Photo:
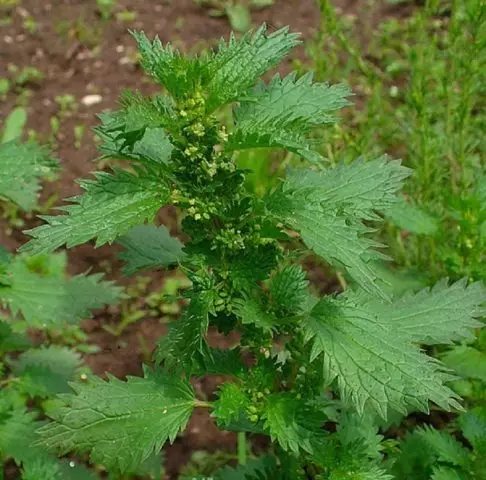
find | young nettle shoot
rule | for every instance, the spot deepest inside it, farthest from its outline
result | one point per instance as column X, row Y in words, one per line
column 302, row 360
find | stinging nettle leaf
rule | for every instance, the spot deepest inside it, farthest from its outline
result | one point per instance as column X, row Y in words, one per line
column 412, row 218
column 441, row 314
column 17, row 431
column 185, row 343
column 283, row 113
column 250, row 310
column 112, row 204
column 148, row 246
column 317, row 205
column 445, row 446
column 52, row 299
column 467, row 362
column 22, row 166
column 136, row 132
column 179, row 75
column 46, row 371
column 238, row 64
column 231, row 404
column 294, row 425
column 289, row 288
column 375, row 365
column 359, row 187
column 121, row 423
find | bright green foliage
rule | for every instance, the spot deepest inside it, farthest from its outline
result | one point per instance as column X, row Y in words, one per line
column 441, row 314
column 288, row 289
column 121, row 422
column 281, row 114
column 18, row 429
column 46, row 371
column 239, row 64
column 134, row 132
column 225, row 75
column 41, row 469
column 289, row 422
column 428, row 453
column 413, row 219
column 296, row 351
column 231, row 405
column 374, row 364
column 320, row 206
column 11, row 341
column 148, row 246
column 185, row 342
column 14, row 125
column 112, row 204
column 468, row 362
column 22, row 166
column 45, row 297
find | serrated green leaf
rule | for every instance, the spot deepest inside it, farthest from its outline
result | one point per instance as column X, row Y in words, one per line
column 222, row 362
column 340, row 242
column 136, row 132
column 446, row 447
column 112, row 204
column 375, row 365
column 253, row 267
column 22, row 166
column 121, row 423
column 148, row 246
column 353, row 429
column 231, row 404
column 289, row 288
column 47, row 300
column 318, row 205
column 11, row 341
column 412, row 218
column 441, row 314
column 250, row 310
column 185, row 342
column 17, row 436
column 238, row 64
column 359, row 188
column 468, row 362
column 415, row 459
column 292, row 423
column 473, row 426
column 46, row 371
column 178, row 74
column 282, row 113
column 262, row 468
column 41, row 468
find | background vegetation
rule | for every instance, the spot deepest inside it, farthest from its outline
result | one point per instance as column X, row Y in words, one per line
column 417, row 71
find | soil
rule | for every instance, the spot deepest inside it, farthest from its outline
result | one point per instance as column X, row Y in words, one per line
column 81, row 55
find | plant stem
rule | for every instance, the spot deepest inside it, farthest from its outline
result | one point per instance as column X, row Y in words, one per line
column 242, row 448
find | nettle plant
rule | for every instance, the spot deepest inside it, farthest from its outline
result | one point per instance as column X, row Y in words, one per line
column 36, row 294
column 302, row 360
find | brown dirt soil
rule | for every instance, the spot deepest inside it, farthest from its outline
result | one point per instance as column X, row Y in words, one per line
column 96, row 58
